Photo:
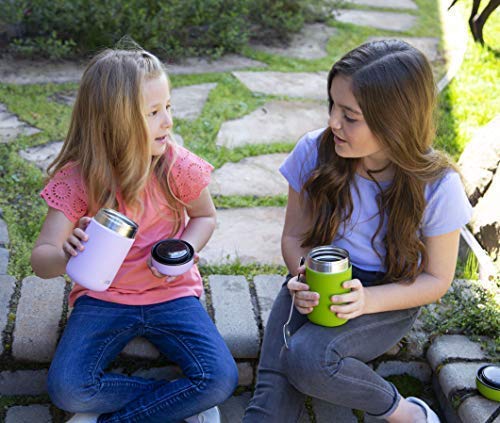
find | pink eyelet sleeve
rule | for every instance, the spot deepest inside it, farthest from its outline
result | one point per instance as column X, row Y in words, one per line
column 190, row 173
column 66, row 192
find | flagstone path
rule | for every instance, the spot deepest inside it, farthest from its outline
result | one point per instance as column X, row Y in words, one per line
column 240, row 308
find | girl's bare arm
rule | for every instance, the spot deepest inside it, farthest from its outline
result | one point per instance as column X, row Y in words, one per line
column 296, row 223
column 202, row 221
column 48, row 258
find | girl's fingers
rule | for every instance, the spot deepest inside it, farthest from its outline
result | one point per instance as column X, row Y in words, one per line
column 84, row 222
column 74, row 242
column 69, row 250
column 307, row 296
column 304, row 310
column 81, row 235
column 352, row 284
column 345, row 308
column 294, row 285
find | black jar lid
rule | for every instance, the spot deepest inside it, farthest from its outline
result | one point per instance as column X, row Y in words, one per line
column 490, row 375
column 172, row 251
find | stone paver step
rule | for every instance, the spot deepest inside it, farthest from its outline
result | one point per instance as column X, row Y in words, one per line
column 29, row 414
column 258, row 176
column 43, row 72
column 7, row 286
column 233, row 314
column 381, row 20
column 390, row 4
column 38, row 312
column 250, row 235
column 187, row 101
column 311, row 85
column 277, row 121
column 309, row 44
column 11, row 127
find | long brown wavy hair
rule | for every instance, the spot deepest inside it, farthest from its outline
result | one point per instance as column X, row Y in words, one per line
column 108, row 134
column 394, row 87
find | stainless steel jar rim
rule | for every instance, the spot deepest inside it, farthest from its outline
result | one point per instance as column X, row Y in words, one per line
column 117, row 222
column 328, row 259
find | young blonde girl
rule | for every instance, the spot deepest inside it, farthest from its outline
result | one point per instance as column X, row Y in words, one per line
column 119, row 153
column 372, row 184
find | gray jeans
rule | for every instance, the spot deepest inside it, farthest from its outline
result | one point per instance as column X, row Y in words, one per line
column 326, row 363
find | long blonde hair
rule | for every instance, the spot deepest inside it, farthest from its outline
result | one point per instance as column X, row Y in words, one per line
column 108, row 135
column 394, row 87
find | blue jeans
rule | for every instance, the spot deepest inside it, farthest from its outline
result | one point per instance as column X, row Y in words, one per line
column 97, row 331
column 325, row 363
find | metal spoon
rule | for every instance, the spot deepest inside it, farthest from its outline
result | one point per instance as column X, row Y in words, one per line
column 286, row 329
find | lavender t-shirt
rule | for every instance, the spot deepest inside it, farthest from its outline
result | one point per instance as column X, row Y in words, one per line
column 447, row 206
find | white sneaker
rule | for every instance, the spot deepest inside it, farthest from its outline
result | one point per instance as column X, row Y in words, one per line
column 212, row 415
column 83, row 418
column 432, row 417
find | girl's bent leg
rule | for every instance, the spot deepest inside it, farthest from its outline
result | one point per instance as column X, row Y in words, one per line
column 275, row 400
column 94, row 335
column 183, row 332
column 329, row 363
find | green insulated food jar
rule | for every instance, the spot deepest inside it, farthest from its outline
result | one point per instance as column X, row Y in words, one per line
column 327, row 267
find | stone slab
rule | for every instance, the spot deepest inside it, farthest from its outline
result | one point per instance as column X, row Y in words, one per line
column 42, row 72
column 257, row 176
column 311, row 85
column 11, row 127
column 427, row 45
column 7, row 286
column 381, row 20
column 234, row 316
column 29, row 414
column 477, row 409
column 188, row 101
column 457, row 376
column 37, row 319
column 250, row 235
column 39, row 71
column 276, row 122
column 4, row 233
column 453, row 347
column 267, row 288
column 326, row 412
column 23, row 382
column 141, row 348
column 309, row 44
column 4, row 260
column 478, row 169
column 232, row 409
column 416, row 369
column 42, row 155
column 390, row 4
column 225, row 63
column 245, row 374
column 485, row 222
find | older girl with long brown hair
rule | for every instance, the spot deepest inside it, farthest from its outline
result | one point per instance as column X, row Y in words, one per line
column 119, row 153
column 370, row 183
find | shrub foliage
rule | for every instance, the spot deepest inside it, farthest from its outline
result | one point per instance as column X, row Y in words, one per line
column 170, row 28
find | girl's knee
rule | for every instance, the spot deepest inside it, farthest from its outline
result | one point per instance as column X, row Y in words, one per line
column 69, row 393
column 220, row 380
column 303, row 366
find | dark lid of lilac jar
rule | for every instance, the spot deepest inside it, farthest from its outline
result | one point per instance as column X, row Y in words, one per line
column 172, row 251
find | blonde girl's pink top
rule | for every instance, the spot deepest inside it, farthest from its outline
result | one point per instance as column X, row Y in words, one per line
column 134, row 283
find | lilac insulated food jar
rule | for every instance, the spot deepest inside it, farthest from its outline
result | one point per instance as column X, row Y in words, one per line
column 172, row 257
column 111, row 234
